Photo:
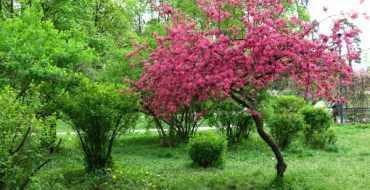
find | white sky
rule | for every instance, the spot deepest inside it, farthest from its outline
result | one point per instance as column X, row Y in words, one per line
column 335, row 7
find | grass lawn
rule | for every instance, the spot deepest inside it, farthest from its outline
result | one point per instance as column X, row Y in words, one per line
column 141, row 163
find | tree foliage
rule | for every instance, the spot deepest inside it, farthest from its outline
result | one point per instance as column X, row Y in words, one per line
column 47, row 47
column 24, row 142
column 100, row 114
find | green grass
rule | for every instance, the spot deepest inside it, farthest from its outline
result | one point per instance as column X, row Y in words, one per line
column 143, row 164
column 63, row 126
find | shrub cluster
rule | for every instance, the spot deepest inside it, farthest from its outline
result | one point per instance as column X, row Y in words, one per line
column 207, row 150
column 291, row 116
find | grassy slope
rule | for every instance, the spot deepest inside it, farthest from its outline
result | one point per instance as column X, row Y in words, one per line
column 144, row 164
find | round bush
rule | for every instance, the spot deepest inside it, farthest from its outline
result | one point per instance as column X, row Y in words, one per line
column 318, row 119
column 207, row 150
column 285, row 127
column 320, row 140
column 317, row 133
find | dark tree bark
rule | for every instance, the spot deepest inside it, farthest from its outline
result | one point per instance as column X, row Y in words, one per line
column 280, row 166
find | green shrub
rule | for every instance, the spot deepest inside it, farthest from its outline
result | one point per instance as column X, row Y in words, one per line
column 231, row 120
column 290, row 104
column 23, row 139
column 286, row 121
column 317, row 132
column 207, row 150
column 284, row 128
column 322, row 139
column 99, row 113
column 317, row 118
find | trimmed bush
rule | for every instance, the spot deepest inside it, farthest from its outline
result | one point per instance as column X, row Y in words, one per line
column 207, row 150
column 322, row 139
column 287, row 104
column 286, row 121
column 285, row 127
column 317, row 132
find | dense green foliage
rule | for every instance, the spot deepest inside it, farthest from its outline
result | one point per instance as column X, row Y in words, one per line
column 292, row 115
column 317, row 132
column 46, row 49
column 24, row 140
column 32, row 50
column 285, row 127
column 286, row 121
column 99, row 114
column 287, row 104
column 207, row 150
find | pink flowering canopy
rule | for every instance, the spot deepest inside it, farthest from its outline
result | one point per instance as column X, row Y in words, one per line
column 199, row 61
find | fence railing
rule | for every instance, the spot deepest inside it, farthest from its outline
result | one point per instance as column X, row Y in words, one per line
column 359, row 115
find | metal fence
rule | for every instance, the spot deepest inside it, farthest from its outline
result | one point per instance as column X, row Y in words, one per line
column 359, row 115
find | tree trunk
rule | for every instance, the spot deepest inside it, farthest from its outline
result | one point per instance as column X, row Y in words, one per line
column 280, row 166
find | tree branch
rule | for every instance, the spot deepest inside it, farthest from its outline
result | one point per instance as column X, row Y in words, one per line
column 22, row 142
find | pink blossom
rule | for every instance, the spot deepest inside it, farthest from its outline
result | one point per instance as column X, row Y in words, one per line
column 193, row 64
column 354, row 15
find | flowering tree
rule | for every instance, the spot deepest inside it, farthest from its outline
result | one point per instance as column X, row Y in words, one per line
column 213, row 60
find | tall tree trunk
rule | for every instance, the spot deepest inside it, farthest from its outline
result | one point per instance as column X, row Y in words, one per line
column 280, row 166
